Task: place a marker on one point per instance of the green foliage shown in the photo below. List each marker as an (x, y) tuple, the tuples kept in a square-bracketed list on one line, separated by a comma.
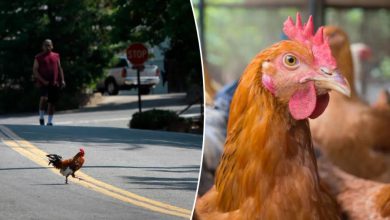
[(78, 31), (86, 34), (157, 120), (235, 35), (156, 21), (385, 66), (369, 26), (18, 100)]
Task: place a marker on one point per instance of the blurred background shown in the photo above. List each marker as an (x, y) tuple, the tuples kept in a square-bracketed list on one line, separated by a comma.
[(234, 31)]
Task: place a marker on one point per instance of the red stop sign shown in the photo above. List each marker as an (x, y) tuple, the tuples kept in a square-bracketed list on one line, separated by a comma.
[(137, 54)]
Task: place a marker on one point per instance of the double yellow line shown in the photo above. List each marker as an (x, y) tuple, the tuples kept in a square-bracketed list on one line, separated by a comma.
[(38, 156)]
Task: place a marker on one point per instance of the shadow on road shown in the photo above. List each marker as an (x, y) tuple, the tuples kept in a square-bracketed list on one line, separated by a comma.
[(177, 169), (179, 183), (119, 103), (51, 184), (147, 102), (172, 183), (107, 137), (24, 168)]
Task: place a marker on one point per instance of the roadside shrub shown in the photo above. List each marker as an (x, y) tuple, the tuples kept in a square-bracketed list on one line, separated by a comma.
[(22, 101), (17, 100)]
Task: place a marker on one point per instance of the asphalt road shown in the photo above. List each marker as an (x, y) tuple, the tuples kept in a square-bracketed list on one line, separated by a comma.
[(128, 174), (109, 111)]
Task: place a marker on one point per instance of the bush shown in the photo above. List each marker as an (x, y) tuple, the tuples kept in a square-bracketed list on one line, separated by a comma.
[(159, 120), (27, 100), (18, 100)]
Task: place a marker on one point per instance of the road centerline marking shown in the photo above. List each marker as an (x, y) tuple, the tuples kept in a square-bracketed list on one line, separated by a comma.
[(30, 151)]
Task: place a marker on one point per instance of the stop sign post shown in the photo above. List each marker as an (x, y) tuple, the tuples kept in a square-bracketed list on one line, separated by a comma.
[(137, 54)]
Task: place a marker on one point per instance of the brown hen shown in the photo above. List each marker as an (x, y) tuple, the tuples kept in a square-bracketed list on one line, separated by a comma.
[(350, 129), (359, 199), (268, 169)]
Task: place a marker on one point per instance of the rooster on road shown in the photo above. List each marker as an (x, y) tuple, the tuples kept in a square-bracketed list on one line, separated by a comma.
[(67, 167)]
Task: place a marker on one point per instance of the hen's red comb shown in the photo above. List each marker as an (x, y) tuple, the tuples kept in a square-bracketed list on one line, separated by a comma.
[(82, 150), (317, 42)]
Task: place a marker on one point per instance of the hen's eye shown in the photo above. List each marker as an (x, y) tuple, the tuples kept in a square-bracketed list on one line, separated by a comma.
[(290, 60)]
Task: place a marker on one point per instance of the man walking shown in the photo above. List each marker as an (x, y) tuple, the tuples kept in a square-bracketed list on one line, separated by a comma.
[(50, 76)]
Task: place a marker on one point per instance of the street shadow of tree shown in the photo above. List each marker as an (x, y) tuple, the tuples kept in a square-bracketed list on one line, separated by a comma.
[(157, 102), (146, 182), (132, 139), (172, 183), (171, 169), (23, 168), (50, 184)]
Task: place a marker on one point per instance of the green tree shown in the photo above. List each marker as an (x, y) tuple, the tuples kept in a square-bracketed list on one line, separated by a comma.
[(154, 22), (79, 33)]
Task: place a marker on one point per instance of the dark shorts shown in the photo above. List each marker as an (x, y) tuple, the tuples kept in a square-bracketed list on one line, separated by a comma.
[(51, 92)]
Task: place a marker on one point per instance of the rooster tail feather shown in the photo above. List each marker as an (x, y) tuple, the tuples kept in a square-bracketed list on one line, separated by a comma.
[(54, 159)]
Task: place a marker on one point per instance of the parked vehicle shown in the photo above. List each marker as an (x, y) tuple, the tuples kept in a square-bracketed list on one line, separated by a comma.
[(122, 76)]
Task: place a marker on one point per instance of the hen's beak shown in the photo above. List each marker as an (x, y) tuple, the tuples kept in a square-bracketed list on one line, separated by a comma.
[(331, 80)]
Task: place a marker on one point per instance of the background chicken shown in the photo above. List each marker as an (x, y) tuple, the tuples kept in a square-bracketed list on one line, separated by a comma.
[(211, 87), (217, 113), (383, 100), (67, 167), (350, 129), (268, 169), (361, 53), (358, 198)]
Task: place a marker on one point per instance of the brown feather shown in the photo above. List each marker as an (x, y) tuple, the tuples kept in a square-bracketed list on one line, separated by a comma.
[(268, 168), (359, 199)]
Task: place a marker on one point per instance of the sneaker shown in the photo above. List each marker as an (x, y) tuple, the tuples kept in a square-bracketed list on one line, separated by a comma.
[(41, 121), (49, 124)]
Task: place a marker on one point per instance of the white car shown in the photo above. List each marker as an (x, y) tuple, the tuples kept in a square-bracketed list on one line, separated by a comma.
[(123, 76)]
